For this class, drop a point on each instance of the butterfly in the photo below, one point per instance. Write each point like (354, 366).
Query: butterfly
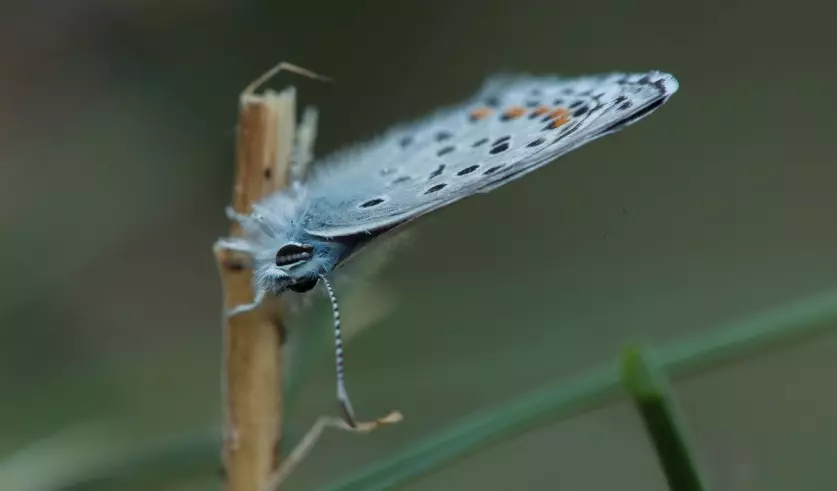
(513, 125)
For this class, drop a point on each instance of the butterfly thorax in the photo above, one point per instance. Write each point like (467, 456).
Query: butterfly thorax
(285, 255)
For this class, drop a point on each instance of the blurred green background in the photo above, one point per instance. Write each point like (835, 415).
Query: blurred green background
(117, 125)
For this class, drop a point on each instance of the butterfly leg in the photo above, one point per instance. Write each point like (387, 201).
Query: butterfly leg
(304, 447)
(247, 307)
(231, 244)
(235, 216)
(306, 136)
(240, 246)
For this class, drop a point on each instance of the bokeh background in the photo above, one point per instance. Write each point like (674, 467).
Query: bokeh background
(117, 125)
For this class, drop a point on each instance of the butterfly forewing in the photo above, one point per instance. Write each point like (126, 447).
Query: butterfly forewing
(513, 126)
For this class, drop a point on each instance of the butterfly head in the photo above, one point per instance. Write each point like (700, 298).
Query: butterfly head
(285, 257)
(295, 265)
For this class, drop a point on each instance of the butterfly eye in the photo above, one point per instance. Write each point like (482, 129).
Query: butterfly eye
(293, 253)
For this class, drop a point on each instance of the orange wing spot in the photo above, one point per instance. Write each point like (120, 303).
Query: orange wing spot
(540, 110)
(514, 112)
(558, 113)
(480, 113)
(559, 121)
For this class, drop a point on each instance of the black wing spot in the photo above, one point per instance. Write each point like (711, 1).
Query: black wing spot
(371, 203)
(532, 103)
(568, 130)
(437, 172)
(535, 143)
(636, 116)
(406, 141)
(437, 187)
(625, 106)
(567, 91)
(445, 150)
(502, 139)
(481, 141)
(468, 170)
(443, 135)
(499, 148)
(492, 170)
(535, 92)
(576, 104)
(492, 101)
(558, 102)
(401, 179)
(581, 111)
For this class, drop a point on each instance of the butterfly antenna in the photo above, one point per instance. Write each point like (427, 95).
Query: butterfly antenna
(342, 394)
(279, 67)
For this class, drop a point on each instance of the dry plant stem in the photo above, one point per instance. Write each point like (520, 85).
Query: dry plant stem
(253, 339)
(253, 344)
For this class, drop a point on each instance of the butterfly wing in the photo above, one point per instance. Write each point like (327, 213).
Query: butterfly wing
(512, 126)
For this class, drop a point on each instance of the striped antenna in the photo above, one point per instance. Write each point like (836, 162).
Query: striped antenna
(342, 394)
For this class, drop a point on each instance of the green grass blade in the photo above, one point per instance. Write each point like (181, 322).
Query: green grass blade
(646, 382)
(801, 320)
(88, 459)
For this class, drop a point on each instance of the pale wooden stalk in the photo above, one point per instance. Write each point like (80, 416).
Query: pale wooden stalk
(253, 340)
